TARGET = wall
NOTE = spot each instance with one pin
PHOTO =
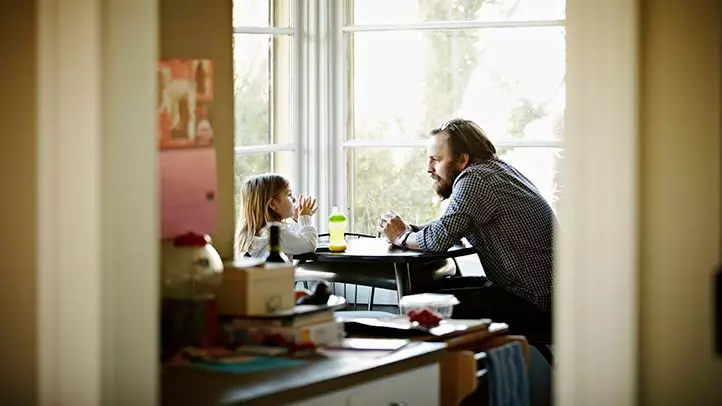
(680, 202)
(596, 261)
(203, 29)
(18, 240)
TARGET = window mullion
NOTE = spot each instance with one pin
(453, 25)
(300, 98)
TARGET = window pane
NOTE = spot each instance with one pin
(383, 179)
(253, 90)
(539, 165)
(248, 165)
(418, 11)
(252, 13)
(509, 80)
(262, 13)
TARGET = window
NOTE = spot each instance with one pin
(413, 64)
(340, 95)
(264, 86)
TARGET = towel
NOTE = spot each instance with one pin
(508, 384)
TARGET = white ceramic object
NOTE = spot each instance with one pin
(190, 267)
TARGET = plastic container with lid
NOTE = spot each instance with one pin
(438, 302)
(336, 231)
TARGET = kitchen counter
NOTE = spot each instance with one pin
(327, 379)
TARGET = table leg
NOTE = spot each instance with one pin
(403, 278)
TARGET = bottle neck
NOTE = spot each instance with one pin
(274, 245)
(274, 240)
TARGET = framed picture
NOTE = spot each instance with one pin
(183, 106)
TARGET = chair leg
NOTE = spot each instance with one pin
(355, 296)
(371, 299)
(305, 285)
(545, 352)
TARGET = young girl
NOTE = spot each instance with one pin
(268, 198)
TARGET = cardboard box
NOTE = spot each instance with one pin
(249, 287)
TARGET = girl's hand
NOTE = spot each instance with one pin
(295, 213)
(307, 206)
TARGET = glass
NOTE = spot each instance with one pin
(261, 13)
(247, 165)
(508, 80)
(382, 179)
(257, 87)
(419, 11)
(540, 165)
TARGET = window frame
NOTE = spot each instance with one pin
(289, 75)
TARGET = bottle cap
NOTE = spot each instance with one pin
(336, 216)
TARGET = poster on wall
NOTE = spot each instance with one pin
(184, 101)
(187, 159)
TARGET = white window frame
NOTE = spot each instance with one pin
(297, 90)
(340, 114)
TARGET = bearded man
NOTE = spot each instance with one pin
(501, 214)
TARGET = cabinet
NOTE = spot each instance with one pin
(416, 387)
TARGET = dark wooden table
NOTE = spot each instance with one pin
(323, 374)
(375, 251)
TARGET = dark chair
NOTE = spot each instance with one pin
(304, 275)
(543, 344)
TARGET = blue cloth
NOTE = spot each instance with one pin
(508, 382)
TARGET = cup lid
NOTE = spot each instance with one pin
(429, 299)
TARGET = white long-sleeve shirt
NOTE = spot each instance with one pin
(296, 238)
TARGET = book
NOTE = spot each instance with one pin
(300, 320)
(318, 334)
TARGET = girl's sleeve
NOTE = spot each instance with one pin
(299, 238)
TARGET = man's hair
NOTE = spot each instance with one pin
(466, 137)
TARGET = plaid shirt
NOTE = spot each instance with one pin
(503, 215)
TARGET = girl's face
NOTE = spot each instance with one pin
(283, 203)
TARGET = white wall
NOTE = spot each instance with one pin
(642, 227)
(95, 214)
(596, 268)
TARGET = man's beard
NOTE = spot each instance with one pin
(442, 186)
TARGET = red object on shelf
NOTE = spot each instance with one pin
(192, 240)
(425, 317)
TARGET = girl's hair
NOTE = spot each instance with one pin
(255, 211)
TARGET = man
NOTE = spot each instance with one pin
(503, 215)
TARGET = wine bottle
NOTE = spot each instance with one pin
(275, 255)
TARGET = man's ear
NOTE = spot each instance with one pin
(463, 160)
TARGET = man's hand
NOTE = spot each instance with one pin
(393, 227)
